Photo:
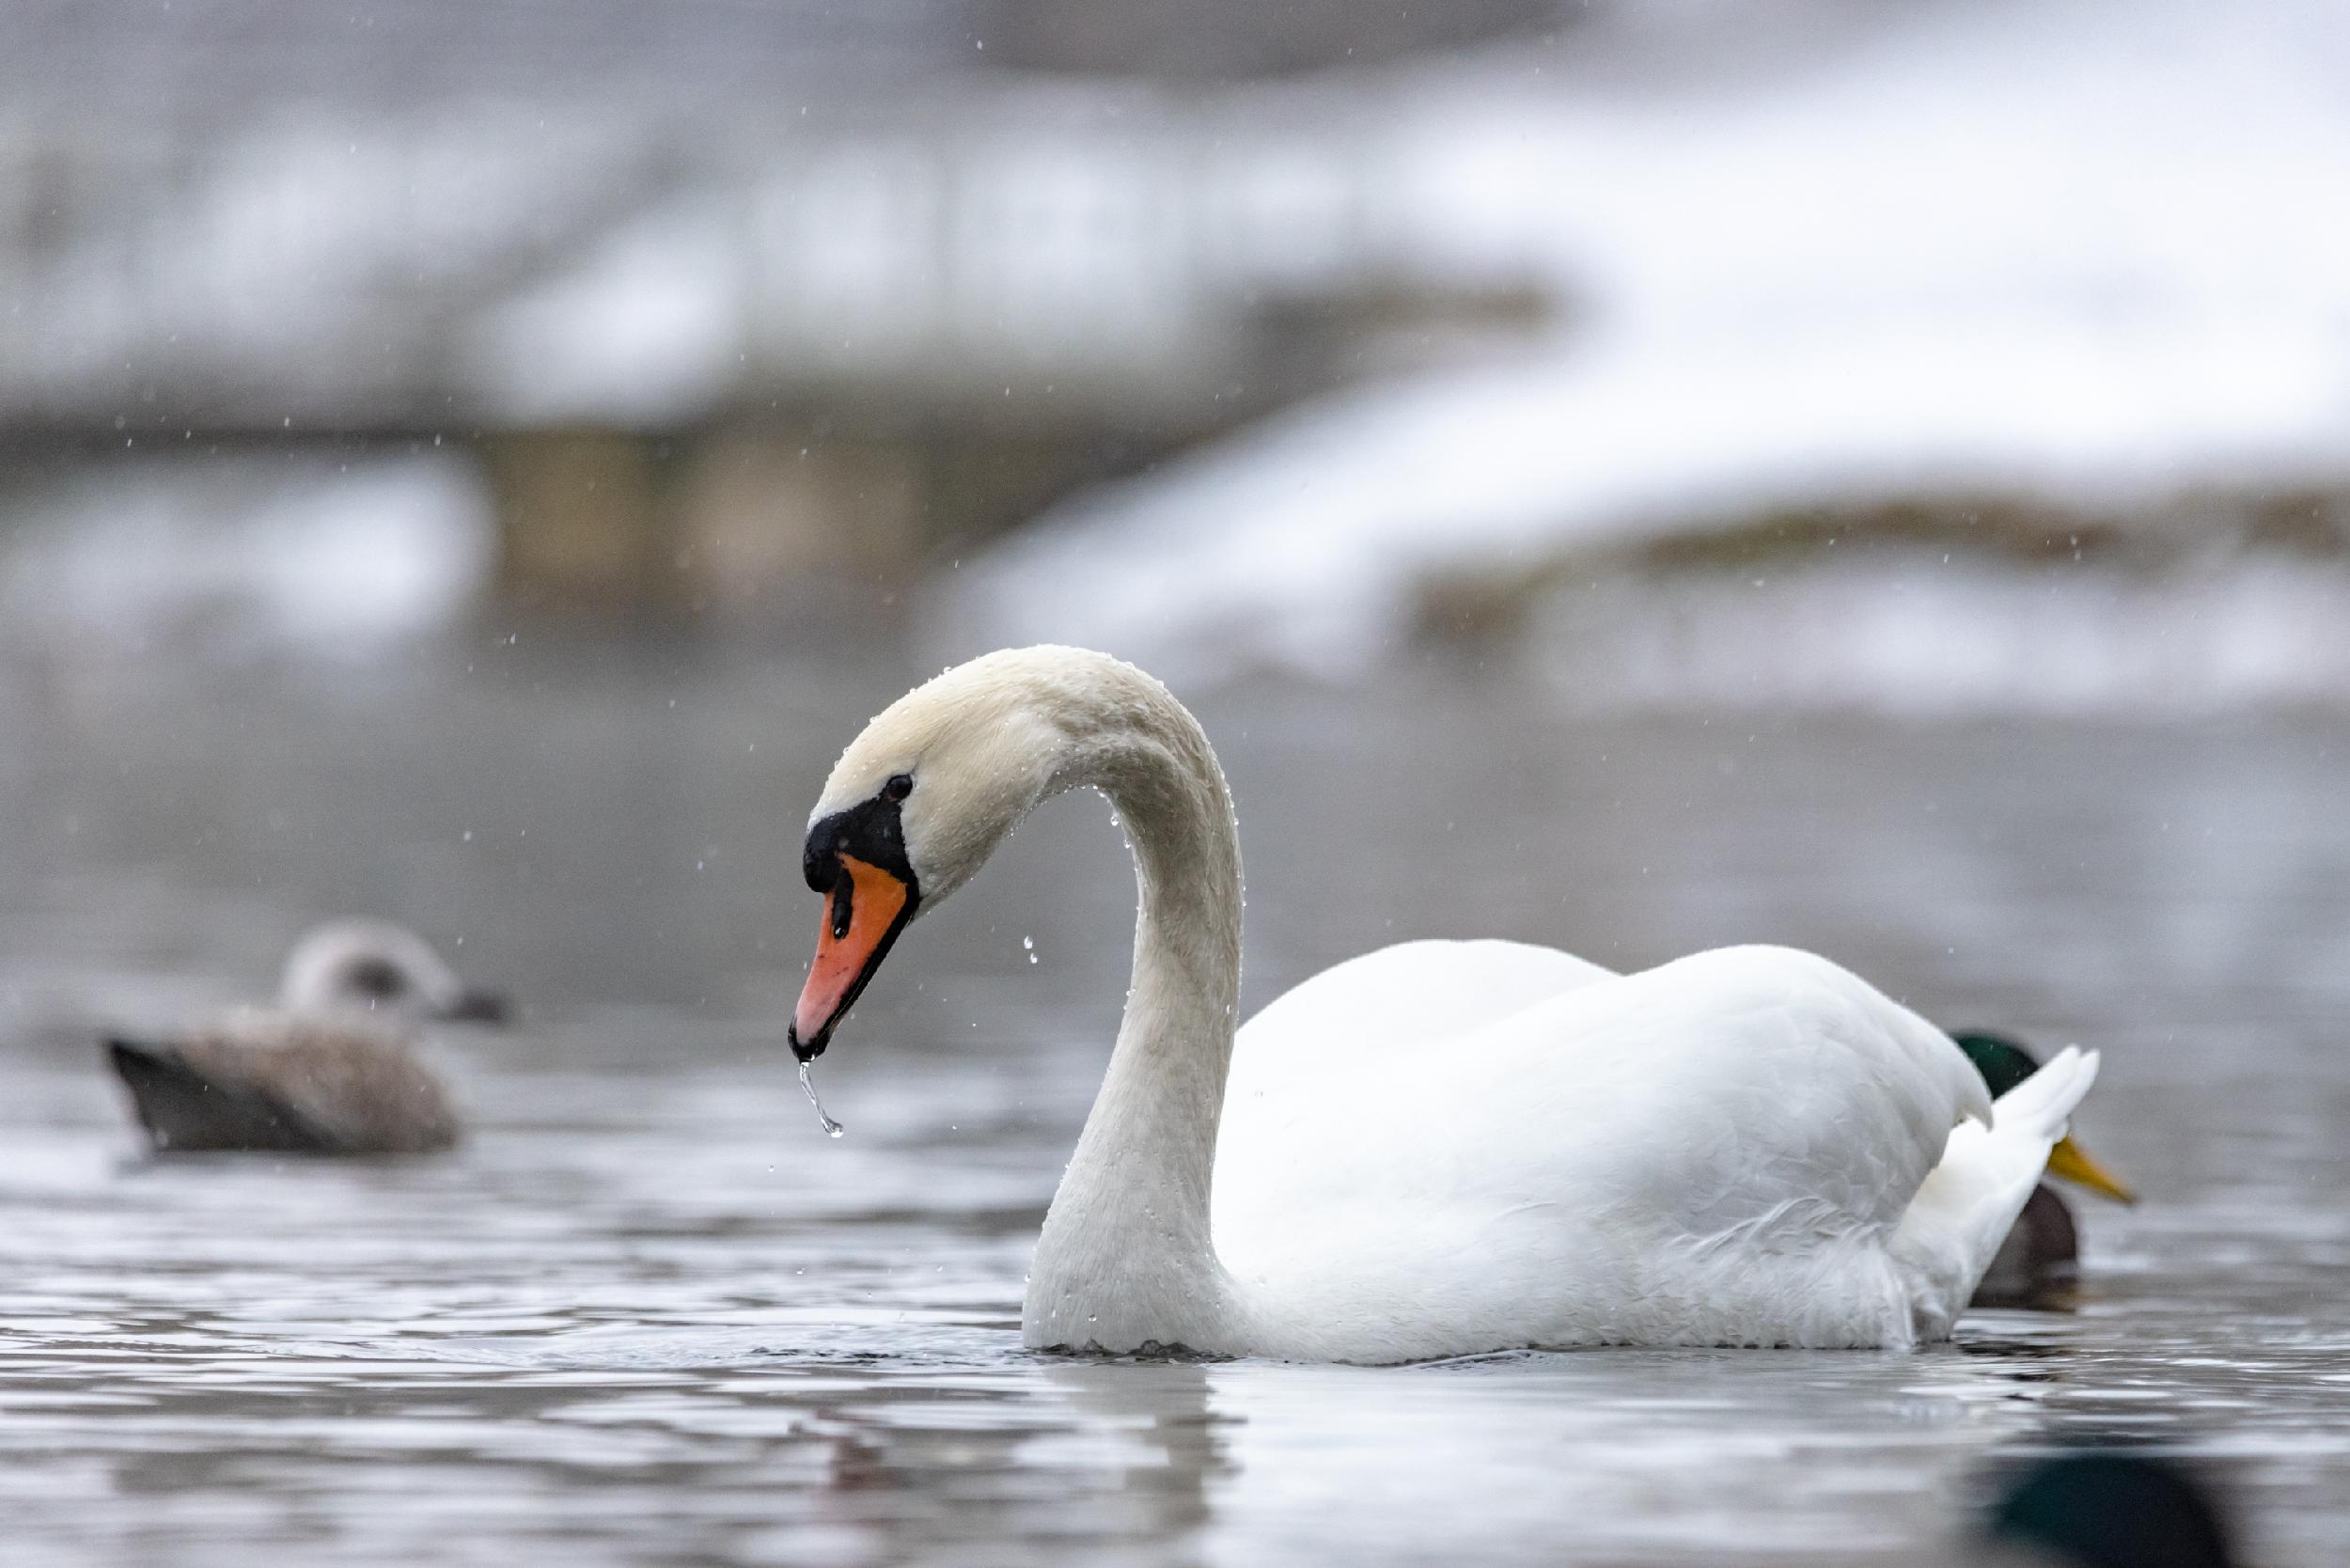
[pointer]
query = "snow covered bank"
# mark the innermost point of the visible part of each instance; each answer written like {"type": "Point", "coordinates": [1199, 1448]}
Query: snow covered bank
{"type": "Point", "coordinates": [236, 554]}
{"type": "Point", "coordinates": [2093, 257]}
{"type": "Point", "coordinates": [1916, 633]}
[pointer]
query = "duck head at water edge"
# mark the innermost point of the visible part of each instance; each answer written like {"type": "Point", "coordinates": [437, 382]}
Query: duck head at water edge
{"type": "Point", "coordinates": [1745, 1147]}
{"type": "Point", "coordinates": [2114, 1507]}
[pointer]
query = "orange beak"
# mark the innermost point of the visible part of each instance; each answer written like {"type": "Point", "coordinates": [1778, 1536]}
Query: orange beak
{"type": "Point", "coordinates": [867, 909]}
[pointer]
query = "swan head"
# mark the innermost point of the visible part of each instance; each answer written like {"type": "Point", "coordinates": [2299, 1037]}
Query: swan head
{"type": "Point", "coordinates": [922, 797]}
{"type": "Point", "coordinates": [377, 967]}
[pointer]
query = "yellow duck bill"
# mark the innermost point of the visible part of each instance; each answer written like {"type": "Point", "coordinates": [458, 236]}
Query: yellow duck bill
{"type": "Point", "coordinates": [2071, 1161]}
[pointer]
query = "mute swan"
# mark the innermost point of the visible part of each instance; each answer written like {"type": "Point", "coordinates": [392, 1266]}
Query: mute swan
{"type": "Point", "coordinates": [2039, 1260]}
{"type": "Point", "coordinates": [1439, 1147]}
{"type": "Point", "coordinates": [329, 1071]}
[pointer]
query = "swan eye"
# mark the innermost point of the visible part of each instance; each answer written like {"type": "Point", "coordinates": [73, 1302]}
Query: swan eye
{"type": "Point", "coordinates": [899, 786]}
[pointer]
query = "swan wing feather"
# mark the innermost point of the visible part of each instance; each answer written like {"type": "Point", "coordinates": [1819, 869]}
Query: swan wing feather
{"type": "Point", "coordinates": [1731, 1138]}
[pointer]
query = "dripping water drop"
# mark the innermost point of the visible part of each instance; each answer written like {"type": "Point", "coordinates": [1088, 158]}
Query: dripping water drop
{"type": "Point", "coordinates": [832, 1128]}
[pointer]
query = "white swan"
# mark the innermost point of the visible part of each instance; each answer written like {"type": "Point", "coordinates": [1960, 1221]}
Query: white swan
{"type": "Point", "coordinates": [1438, 1148]}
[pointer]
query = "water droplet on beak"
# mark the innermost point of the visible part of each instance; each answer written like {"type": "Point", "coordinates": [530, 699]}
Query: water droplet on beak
{"type": "Point", "coordinates": [832, 1128]}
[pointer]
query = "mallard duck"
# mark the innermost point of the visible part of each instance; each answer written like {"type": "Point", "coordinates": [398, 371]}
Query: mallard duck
{"type": "Point", "coordinates": [1439, 1147]}
{"type": "Point", "coordinates": [330, 1070]}
{"type": "Point", "coordinates": [2038, 1264]}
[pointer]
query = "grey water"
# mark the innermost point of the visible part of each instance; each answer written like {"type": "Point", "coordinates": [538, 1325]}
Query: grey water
{"type": "Point", "coordinates": [649, 1313]}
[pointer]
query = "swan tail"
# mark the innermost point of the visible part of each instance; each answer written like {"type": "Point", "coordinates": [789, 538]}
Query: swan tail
{"type": "Point", "coordinates": [1968, 1203]}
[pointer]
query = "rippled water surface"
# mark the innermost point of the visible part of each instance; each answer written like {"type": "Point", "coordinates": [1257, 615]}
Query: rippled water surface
{"type": "Point", "coordinates": [649, 1315]}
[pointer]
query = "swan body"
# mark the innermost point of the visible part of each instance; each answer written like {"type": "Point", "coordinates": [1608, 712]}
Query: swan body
{"type": "Point", "coordinates": [1717, 1151]}
{"type": "Point", "coordinates": [330, 1070]}
{"type": "Point", "coordinates": [1439, 1147]}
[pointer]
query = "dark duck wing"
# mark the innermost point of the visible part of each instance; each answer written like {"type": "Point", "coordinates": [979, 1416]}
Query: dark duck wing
{"type": "Point", "coordinates": [185, 1108]}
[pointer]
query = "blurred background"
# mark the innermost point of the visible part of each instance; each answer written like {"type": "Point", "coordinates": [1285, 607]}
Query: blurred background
{"type": "Point", "coordinates": [1633, 475]}
{"type": "Point", "coordinates": [1241, 337]}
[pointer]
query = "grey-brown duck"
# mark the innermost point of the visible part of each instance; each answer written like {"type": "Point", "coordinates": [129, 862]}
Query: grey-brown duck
{"type": "Point", "coordinates": [332, 1069]}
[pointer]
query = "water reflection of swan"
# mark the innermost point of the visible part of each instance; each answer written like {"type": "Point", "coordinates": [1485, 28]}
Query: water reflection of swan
{"type": "Point", "coordinates": [1520, 1458]}
{"type": "Point", "coordinates": [1117, 1456]}
{"type": "Point", "coordinates": [1634, 1456]}
{"type": "Point", "coordinates": [1437, 1148]}
{"type": "Point", "coordinates": [1168, 1446]}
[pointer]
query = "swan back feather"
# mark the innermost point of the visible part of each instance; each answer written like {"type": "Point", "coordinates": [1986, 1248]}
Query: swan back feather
{"type": "Point", "coordinates": [1717, 1151]}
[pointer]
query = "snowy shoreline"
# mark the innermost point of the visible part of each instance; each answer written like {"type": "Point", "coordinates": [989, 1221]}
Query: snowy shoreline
{"type": "Point", "coordinates": [2084, 263]}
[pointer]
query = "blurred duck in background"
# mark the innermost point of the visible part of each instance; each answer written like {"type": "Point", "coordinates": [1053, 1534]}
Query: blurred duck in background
{"type": "Point", "coordinates": [2110, 1508]}
{"type": "Point", "coordinates": [2040, 1260]}
{"type": "Point", "coordinates": [330, 1070]}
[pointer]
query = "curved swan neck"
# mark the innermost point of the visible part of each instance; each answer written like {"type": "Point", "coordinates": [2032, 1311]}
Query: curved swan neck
{"type": "Point", "coordinates": [1127, 1258]}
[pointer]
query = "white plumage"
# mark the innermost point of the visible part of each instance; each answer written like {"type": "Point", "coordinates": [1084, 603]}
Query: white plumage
{"type": "Point", "coordinates": [1443, 1147]}
{"type": "Point", "coordinates": [1723, 1150]}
